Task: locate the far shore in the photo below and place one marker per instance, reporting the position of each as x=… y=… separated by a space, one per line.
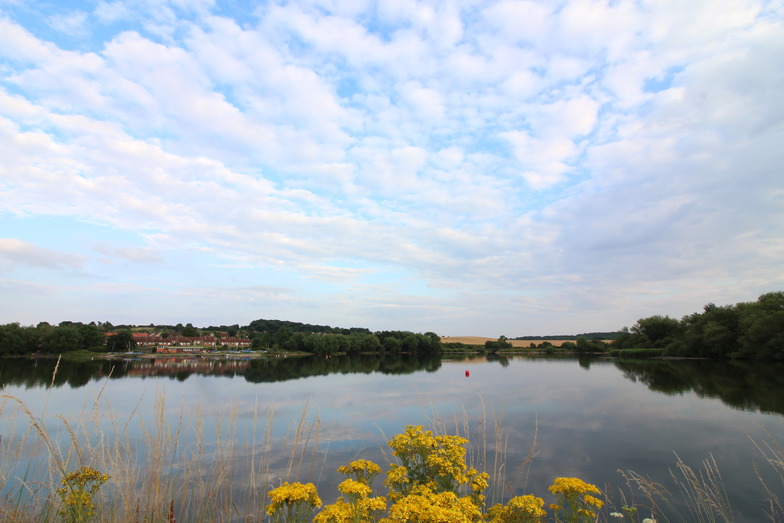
x=523 y=344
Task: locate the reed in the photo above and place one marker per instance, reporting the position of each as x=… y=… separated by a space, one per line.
x=220 y=475
x=698 y=494
x=772 y=454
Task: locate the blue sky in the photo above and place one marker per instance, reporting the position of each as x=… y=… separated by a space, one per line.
x=466 y=167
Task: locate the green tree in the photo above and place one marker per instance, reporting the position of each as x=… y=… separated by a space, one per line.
x=710 y=334
x=392 y=344
x=92 y=338
x=761 y=327
x=585 y=345
x=12 y=339
x=189 y=330
x=120 y=342
x=657 y=331
x=501 y=343
x=63 y=339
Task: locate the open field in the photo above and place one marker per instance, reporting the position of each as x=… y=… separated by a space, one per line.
x=478 y=340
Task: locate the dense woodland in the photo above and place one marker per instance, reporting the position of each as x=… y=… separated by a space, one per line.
x=747 y=330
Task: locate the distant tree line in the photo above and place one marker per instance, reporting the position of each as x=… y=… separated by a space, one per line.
x=65 y=337
x=746 y=330
x=588 y=336
x=355 y=342
x=273 y=335
x=274 y=326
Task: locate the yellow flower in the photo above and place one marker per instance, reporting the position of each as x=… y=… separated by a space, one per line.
x=571 y=486
x=526 y=508
x=425 y=506
x=77 y=492
x=354 y=487
x=598 y=503
x=573 y=495
x=291 y=494
x=338 y=512
x=360 y=465
x=479 y=481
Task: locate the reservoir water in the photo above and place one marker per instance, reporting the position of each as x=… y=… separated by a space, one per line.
x=529 y=420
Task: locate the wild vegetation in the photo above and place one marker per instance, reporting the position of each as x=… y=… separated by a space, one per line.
x=430 y=483
x=746 y=330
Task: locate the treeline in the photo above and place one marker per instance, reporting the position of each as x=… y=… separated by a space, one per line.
x=66 y=337
x=587 y=335
x=273 y=335
x=282 y=335
x=355 y=342
x=273 y=326
x=746 y=330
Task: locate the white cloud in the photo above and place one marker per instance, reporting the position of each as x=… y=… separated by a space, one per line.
x=425 y=102
x=133 y=254
x=16 y=253
x=536 y=152
x=74 y=23
x=543 y=162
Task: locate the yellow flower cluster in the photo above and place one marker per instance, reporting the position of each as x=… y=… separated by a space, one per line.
x=355 y=505
x=78 y=488
x=435 y=461
x=362 y=470
x=575 y=499
x=572 y=486
x=352 y=487
x=360 y=466
x=522 y=509
x=423 y=505
x=428 y=487
x=362 y=510
x=293 y=502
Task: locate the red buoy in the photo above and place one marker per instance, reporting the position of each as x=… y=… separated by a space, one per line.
x=468 y=373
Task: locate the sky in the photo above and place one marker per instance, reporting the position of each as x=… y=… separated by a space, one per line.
x=465 y=167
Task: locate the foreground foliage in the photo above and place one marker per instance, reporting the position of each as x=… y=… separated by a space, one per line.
x=430 y=481
x=77 y=491
x=431 y=484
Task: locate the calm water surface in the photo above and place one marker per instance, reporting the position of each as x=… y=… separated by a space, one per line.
x=584 y=418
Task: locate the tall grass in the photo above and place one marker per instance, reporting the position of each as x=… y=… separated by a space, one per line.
x=699 y=494
x=773 y=455
x=155 y=476
x=488 y=450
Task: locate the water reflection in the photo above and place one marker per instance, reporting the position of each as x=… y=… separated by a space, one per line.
x=742 y=385
x=40 y=372
x=585 y=418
